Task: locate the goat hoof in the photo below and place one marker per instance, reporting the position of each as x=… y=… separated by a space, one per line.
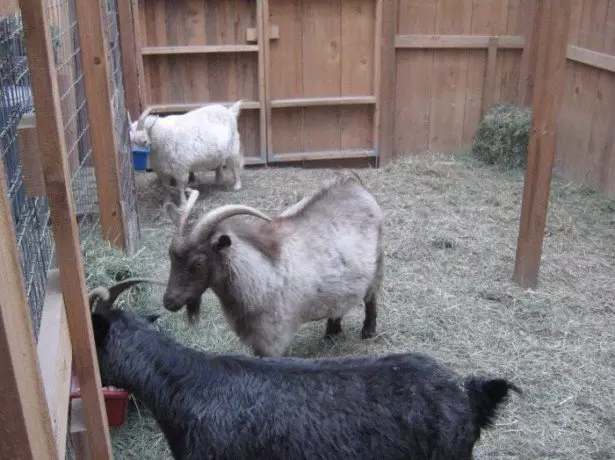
x=368 y=332
x=334 y=327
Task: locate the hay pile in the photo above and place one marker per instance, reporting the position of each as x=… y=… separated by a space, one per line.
x=502 y=136
x=106 y=265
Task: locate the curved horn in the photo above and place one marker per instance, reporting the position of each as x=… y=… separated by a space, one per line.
x=118 y=288
x=99 y=292
x=209 y=221
x=194 y=195
x=129 y=119
x=144 y=115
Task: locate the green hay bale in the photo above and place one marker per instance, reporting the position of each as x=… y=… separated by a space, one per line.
x=106 y=265
x=502 y=136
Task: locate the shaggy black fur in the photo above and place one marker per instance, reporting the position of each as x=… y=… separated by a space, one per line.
x=398 y=406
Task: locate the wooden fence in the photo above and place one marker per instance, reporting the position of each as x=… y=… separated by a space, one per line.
x=373 y=78
x=586 y=127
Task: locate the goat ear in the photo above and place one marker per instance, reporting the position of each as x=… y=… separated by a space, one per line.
x=173 y=212
x=223 y=241
x=101 y=327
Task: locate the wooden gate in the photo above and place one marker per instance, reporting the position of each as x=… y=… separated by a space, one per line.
x=312 y=86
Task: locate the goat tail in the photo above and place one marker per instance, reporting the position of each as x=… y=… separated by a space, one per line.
x=486 y=395
x=235 y=109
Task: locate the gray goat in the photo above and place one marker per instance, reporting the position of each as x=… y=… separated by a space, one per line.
x=318 y=259
x=396 y=406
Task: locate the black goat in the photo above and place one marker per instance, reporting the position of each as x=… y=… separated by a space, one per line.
x=242 y=407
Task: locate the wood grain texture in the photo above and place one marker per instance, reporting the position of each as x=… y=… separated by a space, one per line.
x=413 y=101
x=554 y=17
x=449 y=78
x=95 y=63
x=27 y=430
x=385 y=147
x=65 y=232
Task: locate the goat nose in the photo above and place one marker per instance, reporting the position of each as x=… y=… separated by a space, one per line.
x=170 y=303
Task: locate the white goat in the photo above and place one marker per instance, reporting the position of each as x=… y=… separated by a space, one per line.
x=317 y=260
x=202 y=139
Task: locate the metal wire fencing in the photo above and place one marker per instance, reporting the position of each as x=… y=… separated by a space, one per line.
x=122 y=126
x=30 y=214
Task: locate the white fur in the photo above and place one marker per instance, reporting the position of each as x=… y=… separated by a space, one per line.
x=203 y=139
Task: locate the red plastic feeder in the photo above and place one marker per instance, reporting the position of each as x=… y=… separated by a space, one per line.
x=116 y=401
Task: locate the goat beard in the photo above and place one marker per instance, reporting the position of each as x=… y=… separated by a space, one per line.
x=193 y=310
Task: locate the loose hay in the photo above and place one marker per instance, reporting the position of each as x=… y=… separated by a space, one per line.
x=106 y=265
x=450 y=238
x=502 y=136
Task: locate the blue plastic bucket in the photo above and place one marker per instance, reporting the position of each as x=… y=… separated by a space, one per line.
x=139 y=159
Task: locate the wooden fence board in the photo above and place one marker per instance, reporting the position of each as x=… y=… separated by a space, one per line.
x=64 y=225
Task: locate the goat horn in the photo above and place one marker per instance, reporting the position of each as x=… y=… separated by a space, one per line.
x=194 y=195
x=142 y=118
x=99 y=292
x=129 y=119
x=214 y=217
x=117 y=289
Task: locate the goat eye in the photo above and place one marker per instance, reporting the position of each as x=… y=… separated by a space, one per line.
x=196 y=266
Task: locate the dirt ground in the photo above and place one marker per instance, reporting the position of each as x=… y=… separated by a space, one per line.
x=450 y=239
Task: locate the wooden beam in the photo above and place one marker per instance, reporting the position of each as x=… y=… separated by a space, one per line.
x=129 y=62
x=554 y=19
x=137 y=13
x=26 y=426
x=388 y=72
x=261 y=10
x=323 y=101
x=168 y=108
x=591 y=58
x=64 y=225
x=29 y=153
x=492 y=59
x=198 y=49
x=527 y=75
x=377 y=74
x=457 y=41
x=55 y=357
x=101 y=120
x=322 y=155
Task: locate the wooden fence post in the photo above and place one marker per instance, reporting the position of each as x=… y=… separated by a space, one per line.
x=553 y=17
x=101 y=120
x=129 y=60
x=527 y=72
x=386 y=101
x=65 y=232
x=26 y=431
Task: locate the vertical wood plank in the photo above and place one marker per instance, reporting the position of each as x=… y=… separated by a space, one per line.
x=100 y=115
x=604 y=115
x=527 y=77
x=515 y=21
x=322 y=72
x=492 y=56
x=575 y=164
x=600 y=124
x=129 y=63
x=488 y=18
x=285 y=126
x=449 y=79
x=65 y=232
x=138 y=19
x=566 y=116
x=262 y=27
x=554 y=17
x=27 y=431
x=387 y=82
x=377 y=69
x=358 y=33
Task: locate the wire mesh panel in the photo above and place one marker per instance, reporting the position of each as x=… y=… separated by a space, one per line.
x=30 y=214
x=122 y=126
